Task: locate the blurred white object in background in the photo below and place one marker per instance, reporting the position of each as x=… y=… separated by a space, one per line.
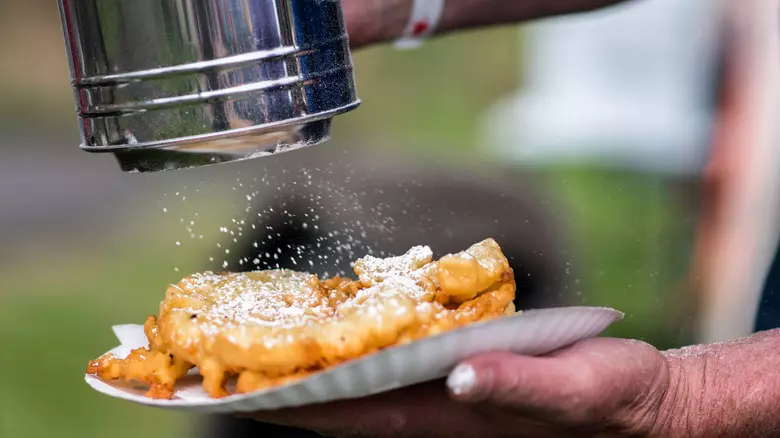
x=630 y=86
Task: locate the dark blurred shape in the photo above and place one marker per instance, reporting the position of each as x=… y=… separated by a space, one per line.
x=399 y=203
x=447 y=208
x=228 y=427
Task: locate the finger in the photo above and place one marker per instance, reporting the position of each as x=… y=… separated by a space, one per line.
x=539 y=384
x=595 y=373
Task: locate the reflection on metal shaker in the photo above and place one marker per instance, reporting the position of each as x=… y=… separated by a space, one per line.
x=169 y=84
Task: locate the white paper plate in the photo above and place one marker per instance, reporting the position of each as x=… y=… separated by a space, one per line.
x=533 y=332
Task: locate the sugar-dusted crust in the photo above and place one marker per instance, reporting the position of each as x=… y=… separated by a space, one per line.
x=271 y=327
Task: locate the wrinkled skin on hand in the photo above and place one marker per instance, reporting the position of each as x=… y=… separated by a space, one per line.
x=598 y=387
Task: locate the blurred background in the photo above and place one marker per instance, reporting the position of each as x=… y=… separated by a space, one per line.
x=625 y=158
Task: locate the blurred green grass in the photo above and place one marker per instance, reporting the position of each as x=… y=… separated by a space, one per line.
x=431 y=98
x=631 y=239
x=57 y=309
x=55 y=319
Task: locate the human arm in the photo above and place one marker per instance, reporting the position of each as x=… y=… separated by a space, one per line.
x=377 y=21
x=598 y=387
x=725 y=390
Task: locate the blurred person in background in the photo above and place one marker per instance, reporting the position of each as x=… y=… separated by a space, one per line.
x=599 y=387
x=739 y=222
x=676 y=89
x=629 y=91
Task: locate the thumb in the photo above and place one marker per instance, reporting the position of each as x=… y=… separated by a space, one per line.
x=540 y=384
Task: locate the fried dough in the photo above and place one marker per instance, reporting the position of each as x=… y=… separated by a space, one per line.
x=271 y=327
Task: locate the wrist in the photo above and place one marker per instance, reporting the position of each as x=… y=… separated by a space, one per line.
x=668 y=407
x=662 y=409
x=725 y=390
x=375 y=21
x=673 y=416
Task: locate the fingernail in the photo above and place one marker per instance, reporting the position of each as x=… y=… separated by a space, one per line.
x=462 y=380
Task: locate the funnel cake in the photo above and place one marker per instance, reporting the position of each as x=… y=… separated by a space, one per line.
x=271 y=327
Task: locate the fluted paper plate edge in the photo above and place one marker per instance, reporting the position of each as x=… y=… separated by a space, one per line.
x=532 y=332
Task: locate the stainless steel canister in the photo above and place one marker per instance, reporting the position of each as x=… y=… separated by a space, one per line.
x=167 y=84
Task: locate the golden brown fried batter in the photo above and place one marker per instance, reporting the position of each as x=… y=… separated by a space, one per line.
x=155 y=367
x=272 y=327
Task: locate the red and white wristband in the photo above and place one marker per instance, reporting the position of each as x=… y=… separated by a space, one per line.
x=423 y=22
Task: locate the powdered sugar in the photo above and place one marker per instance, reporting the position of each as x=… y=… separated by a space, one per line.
x=462 y=380
x=372 y=270
x=268 y=298
x=284 y=299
